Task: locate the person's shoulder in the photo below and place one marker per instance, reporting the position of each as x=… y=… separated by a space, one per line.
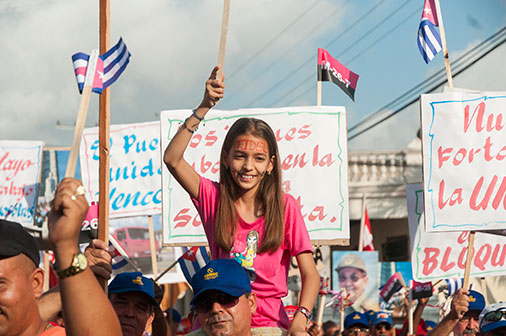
x=199 y=332
x=54 y=331
x=289 y=201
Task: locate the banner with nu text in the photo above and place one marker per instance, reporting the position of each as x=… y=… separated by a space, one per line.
x=313 y=148
x=464 y=161
x=135 y=168
x=20 y=163
x=438 y=255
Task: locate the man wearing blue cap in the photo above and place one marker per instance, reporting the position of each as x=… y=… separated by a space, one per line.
x=356 y=324
x=382 y=325
x=464 y=315
x=493 y=320
x=133 y=297
x=223 y=299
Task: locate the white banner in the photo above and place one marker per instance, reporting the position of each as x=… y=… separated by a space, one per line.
x=20 y=163
x=135 y=173
x=441 y=255
x=464 y=166
x=313 y=147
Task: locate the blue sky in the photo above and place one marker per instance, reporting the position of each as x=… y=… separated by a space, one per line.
x=174 y=45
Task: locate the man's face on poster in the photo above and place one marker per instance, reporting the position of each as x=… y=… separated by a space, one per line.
x=354 y=281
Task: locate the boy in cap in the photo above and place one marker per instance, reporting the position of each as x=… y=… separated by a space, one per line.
x=353 y=277
x=493 y=320
x=356 y=324
x=223 y=299
x=382 y=325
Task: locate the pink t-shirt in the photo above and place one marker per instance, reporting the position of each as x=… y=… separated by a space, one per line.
x=270 y=270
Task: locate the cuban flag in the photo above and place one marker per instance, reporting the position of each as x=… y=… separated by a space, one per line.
x=80 y=63
x=115 y=62
x=429 y=41
x=120 y=258
x=192 y=260
x=453 y=285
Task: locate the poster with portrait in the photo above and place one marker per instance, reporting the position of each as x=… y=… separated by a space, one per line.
x=357 y=273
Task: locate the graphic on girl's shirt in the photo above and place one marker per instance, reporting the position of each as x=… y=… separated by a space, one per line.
x=247 y=257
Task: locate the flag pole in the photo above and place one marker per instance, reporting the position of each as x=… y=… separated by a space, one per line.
x=445 y=49
x=469 y=258
x=82 y=114
x=223 y=38
x=362 y=224
x=103 y=134
x=152 y=246
x=410 y=308
x=171 y=266
x=324 y=288
x=318 y=93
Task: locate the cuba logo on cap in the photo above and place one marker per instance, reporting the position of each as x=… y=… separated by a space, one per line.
x=356 y=317
x=211 y=274
x=138 y=281
x=383 y=315
x=472 y=298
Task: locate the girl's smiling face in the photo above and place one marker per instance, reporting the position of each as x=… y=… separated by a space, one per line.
x=249 y=161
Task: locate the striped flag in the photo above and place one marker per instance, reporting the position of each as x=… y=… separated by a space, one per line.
x=429 y=41
x=120 y=258
x=368 y=243
x=393 y=285
x=331 y=70
x=192 y=260
x=453 y=285
x=115 y=62
x=80 y=63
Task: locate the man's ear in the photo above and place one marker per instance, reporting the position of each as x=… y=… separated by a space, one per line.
x=37 y=280
x=252 y=301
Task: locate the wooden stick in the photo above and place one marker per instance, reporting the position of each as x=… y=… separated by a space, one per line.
x=362 y=224
x=469 y=259
x=341 y=311
x=82 y=113
x=445 y=49
x=171 y=266
x=47 y=275
x=318 y=93
x=223 y=38
x=324 y=288
x=103 y=134
x=410 y=309
x=152 y=246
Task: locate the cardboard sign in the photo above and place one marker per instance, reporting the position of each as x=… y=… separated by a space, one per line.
x=20 y=163
x=441 y=255
x=464 y=161
x=135 y=168
x=312 y=144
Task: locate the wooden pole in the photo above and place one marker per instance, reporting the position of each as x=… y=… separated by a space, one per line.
x=223 y=38
x=469 y=259
x=324 y=288
x=341 y=311
x=445 y=49
x=410 y=308
x=152 y=246
x=318 y=93
x=171 y=266
x=47 y=275
x=103 y=134
x=362 y=224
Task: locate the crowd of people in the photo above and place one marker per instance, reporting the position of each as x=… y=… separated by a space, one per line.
x=245 y=211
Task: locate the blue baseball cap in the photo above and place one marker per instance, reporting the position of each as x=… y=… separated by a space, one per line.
x=485 y=325
x=430 y=325
x=476 y=301
x=370 y=314
x=356 y=318
x=381 y=317
x=224 y=275
x=133 y=282
x=176 y=317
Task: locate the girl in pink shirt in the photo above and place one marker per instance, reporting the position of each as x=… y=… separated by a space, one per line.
x=246 y=216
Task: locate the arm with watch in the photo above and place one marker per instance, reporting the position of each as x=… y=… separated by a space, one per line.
x=86 y=308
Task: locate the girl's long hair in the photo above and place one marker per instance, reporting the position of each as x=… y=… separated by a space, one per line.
x=269 y=194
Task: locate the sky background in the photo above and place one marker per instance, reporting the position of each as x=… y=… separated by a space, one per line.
x=270 y=59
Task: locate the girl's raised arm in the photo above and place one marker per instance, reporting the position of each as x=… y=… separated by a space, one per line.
x=173 y=156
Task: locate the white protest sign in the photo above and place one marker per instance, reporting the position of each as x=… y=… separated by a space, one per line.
x=440 y=255
x=313 y=148
x=464 y=166
x=20 y=163
x=135 y=168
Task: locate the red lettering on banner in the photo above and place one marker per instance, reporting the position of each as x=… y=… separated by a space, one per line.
x=463 y=237
x=302 y=133
x=206 y=165
x=299 y=160
x=441 y=155
x=499 y=196
x=182 y=219
x=325 y=161
x=494 y=261
x=445 y=266
x=430 y=260
x=480 y=109
x=456 y=197
x=461 y=261
x=211 y=138
x=478 y=260
x=195 y=140
x=13 y=167
x=317 y=213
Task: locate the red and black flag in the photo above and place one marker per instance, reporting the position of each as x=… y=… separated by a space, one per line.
x=421 y=290
x=330 y=70
x=393 y=285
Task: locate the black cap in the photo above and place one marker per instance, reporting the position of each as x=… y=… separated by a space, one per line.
x=14 y=240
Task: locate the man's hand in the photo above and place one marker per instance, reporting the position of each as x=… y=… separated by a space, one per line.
x=460 y=304
x=214 y=89
x=66 y=215
x=99 y=259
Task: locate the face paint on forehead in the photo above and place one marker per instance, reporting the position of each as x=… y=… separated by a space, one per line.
x=252 y=145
